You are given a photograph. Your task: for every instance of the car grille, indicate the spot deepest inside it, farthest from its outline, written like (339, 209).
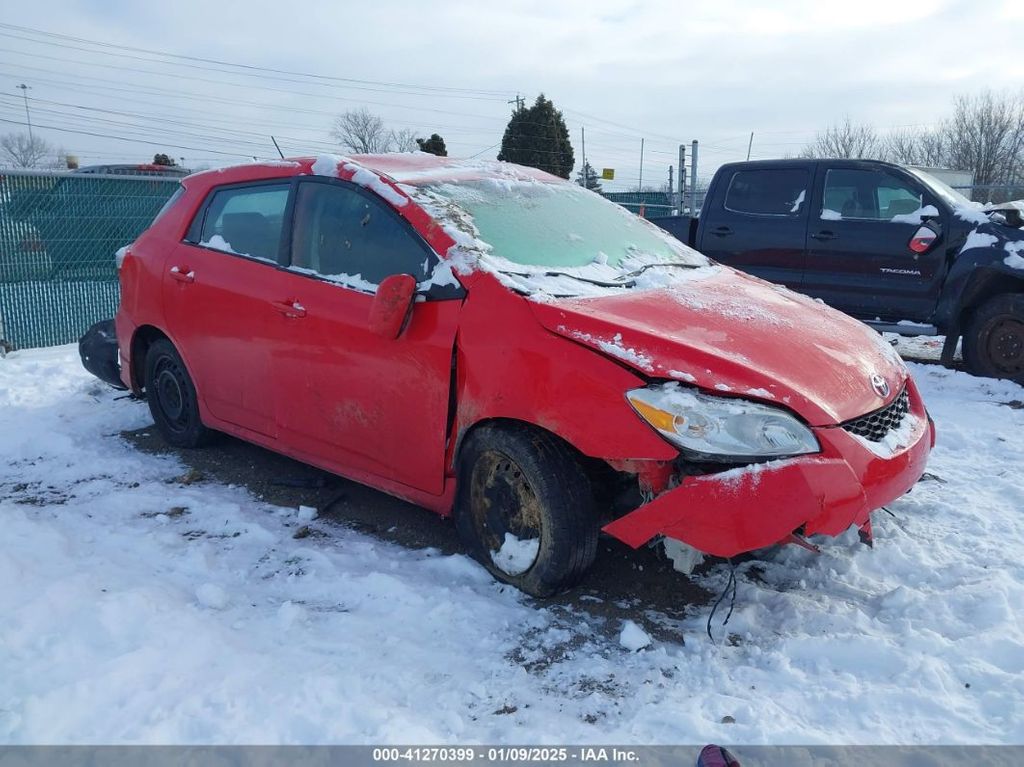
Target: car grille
(874, 426)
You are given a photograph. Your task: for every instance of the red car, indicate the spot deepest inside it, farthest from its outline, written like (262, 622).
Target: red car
(500, 345)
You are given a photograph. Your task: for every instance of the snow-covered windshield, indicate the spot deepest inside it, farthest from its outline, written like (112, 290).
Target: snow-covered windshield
(559, 227)
(942, 190)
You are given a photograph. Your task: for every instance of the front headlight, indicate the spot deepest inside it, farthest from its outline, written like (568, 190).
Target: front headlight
(720, 428)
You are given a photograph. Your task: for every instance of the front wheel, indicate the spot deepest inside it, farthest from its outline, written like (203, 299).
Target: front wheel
(525, 508)
(172, 397)
(994, 341)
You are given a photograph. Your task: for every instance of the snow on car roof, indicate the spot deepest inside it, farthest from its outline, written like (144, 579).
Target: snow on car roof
(420, 168)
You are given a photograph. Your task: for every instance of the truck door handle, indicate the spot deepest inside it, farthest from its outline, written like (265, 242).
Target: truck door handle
(722, 231)
(289, 308)
(182, 275)
(824, 236)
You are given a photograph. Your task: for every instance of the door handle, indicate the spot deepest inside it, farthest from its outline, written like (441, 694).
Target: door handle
(722, 231)
(182, 275)
(289, 308)
(824, 236)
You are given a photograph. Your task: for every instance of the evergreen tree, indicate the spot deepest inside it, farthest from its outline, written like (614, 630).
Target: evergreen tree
(588, 177)
(537, 136)
(164, 159)
(433, 145)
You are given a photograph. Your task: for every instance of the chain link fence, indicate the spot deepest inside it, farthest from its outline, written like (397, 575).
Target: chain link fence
(986, 193)
(58, 236)
(655, 204)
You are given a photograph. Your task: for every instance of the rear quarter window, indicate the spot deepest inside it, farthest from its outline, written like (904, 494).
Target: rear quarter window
(768, 191)
(171, 202)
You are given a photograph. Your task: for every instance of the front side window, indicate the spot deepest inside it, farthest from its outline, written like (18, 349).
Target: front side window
(768, 191)
(868, 194)
(246, 220)
(347, 236)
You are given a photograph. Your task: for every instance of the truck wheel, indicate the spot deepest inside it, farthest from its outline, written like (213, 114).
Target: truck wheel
(525, 508)
(172, 397)
(994, 341)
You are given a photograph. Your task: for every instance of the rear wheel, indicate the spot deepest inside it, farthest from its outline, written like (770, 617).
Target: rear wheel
(525, 508)
(172, 397)
(994, 341)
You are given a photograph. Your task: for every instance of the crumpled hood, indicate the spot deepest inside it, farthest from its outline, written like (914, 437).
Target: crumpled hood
(1012, 211)
(731, 333)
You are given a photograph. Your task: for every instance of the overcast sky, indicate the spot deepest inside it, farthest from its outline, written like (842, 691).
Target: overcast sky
(666, 71)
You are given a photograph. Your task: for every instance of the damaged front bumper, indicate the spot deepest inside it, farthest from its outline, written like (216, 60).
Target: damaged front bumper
(98, 350)
(748, 508)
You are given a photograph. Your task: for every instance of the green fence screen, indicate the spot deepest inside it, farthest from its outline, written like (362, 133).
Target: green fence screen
(58, 236)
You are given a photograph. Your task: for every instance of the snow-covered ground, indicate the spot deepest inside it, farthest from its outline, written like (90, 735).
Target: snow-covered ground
(134, 608)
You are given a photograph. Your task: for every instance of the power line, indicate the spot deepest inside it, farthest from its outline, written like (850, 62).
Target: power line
(286, 91)
(241, 66)
(134, 140)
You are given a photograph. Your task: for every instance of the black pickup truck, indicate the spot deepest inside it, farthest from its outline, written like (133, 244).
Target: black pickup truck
(893, 246)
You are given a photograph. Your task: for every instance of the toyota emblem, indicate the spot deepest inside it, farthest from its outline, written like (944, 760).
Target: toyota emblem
(880, 385)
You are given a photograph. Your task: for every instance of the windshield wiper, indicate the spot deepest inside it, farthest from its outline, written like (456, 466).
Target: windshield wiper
(623, 282)
(602, 283)
(645, 267)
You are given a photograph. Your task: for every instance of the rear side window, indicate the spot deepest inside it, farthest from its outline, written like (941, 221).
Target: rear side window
(350, 237)
(246, 220)
(768, 191)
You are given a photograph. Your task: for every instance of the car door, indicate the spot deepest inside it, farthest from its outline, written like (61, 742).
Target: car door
(363, 404)
(218, 290)
(759, 224)
(859, 255)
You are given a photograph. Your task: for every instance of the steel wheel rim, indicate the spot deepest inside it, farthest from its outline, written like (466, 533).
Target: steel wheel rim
(171, 392)
(503, 501)
(1005, 345)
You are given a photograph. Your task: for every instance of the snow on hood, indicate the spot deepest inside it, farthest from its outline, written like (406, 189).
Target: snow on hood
(736, 334)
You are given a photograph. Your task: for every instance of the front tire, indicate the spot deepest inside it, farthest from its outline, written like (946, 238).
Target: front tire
(994, 341)
(525, 508)
(172, 397)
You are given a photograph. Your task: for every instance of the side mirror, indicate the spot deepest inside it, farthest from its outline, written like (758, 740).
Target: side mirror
(392, 304)
(925, 237)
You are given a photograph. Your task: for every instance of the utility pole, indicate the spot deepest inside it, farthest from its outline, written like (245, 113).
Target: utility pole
(640, 183)
(682, 178)
(583, 148)
(750, 145)
(671, 186)
(518, 101)
(24, 92)
(693, 179)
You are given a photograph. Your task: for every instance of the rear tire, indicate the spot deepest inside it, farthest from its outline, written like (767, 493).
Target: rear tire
(513, 480)
(172, 397)
(994, 340)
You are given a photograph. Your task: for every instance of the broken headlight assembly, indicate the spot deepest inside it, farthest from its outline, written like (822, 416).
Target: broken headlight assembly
(721, 428)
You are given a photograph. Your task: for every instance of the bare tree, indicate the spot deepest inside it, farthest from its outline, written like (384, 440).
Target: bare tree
(363, 132)
(845, 140)
(915, 147)
(985, 135)
(19, 150)
(402, 141)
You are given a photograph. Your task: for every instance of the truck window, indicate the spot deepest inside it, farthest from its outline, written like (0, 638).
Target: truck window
(768, 191)
(868, 194)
